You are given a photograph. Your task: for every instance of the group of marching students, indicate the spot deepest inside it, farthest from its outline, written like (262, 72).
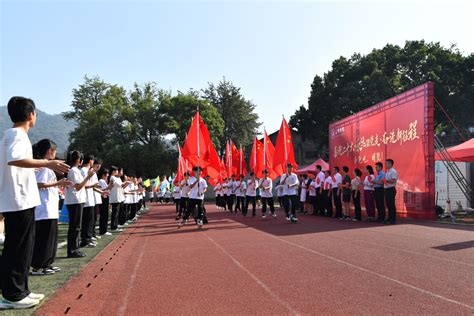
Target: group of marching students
(30, 203)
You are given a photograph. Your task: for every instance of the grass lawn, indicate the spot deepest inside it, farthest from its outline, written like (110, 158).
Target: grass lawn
(49, 284)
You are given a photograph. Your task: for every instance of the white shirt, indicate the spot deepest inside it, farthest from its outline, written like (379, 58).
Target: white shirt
(185, 188)
(319, 180)
(128, 195)
(116, 193)
(328, 185)
(74, 196)
(49, 207)
(18, 188)
(232, 187)
(238, 188)
(312, 188)
(290, 184)
(97, 196)
(227, 188)
(176, 193)
(280, 190)
(367, 184)
(197, 190)
(90, 199)
(103, 185)
(218, 189)
(267, 185)
(252, 187)
(338, 181)
(391, 174)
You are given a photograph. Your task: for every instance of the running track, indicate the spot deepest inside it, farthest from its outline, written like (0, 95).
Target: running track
(240, 265)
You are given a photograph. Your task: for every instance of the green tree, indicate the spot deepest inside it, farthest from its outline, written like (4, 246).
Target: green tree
(240, 120)
(361, 81)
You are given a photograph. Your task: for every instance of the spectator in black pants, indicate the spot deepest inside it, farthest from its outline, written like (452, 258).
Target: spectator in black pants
(379, 192)
(104, 207)
(336, 191)
(355, 187)
(327, 193)
(391, 177)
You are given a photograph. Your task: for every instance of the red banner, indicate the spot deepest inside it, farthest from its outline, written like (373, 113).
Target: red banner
(400, 128)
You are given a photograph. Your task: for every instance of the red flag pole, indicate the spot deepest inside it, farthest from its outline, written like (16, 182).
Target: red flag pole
(198, 133)
(240, 158)
(284, 137)
(264, 148)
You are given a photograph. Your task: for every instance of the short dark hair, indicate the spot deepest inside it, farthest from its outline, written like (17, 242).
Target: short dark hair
(73, 156)
(98, 161)
(357, 172)
(112, 169)
(336, 168)
(102, 172)
(289, 165)
(370, 169)
(19, 108)
(41, 147)
(345, 168)
(87, 158)
(390, 160)
(233, 176)
(319, 167)
(379, 164)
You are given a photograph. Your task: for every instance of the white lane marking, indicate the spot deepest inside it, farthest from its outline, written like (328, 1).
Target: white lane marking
(373, 273)
(131, 281)
(253, 276)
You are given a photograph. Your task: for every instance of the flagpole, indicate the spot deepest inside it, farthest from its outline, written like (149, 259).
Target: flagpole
(264, 148)
(240, 160)
(284, 137)
(197, 119)
(255, 154)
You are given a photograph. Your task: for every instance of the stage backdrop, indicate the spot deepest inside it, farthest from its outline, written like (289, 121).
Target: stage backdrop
(400, 128)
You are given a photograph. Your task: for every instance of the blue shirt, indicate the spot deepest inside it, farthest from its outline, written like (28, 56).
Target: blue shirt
(380, 176)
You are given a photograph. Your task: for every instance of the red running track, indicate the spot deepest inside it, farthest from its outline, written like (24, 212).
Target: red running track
(244, 265)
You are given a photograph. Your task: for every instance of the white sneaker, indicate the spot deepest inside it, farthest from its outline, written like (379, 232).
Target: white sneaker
(264, 216)
(107, 234)
(2, 239)
(42, 272)
(274, 215)
(181, 224)
(98, 237)
(199, 222)
(94, 239)
(294, 219)
(35, 296)
(22, 304)
(288, 218)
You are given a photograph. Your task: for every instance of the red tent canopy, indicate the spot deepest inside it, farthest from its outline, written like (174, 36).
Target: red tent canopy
(463, 152)
(312, 167)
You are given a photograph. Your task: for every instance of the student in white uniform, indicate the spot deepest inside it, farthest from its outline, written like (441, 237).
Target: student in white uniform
(104, 207)
(280, 192)
(198, 187)
(267, 196)
(231, 197)
(303, 191)
(184, 185)
(327, 193)
(239, 194)
(46, 214)
(290, 199)
(250, 195)
(19, 196)
(97, 196)
(337, 191)
(218, 194)
(117, 196)
(75, 199)
(319, 186)
(177, 197)
(89, 205)
(390, 184)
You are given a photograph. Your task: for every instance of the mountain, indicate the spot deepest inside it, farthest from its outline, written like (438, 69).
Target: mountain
(54, 127)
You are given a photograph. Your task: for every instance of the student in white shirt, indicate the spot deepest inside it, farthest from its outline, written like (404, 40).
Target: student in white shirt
(117, 196)
(239, 187)
(218, 194)
(303, 191)
(198, 187)
(327, 192)
(89, 205)
(280, 192)
(97, 195)
(231, 198)
(319, 184)
(337, 191)
(46, 214)
(250, 195)
(19, 196)
(184, 185)
(390, 183)
(104, 207)
(267, 196)
(369, 193)
(75, 199)
(290, 199)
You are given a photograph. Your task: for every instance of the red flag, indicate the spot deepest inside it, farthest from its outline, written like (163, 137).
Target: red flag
(268, 153)
(232, 161)
(283, 150)
(242, 162)
(196, 146)
(256, 158)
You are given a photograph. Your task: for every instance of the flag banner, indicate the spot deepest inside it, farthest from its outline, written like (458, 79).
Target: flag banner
(284, 152)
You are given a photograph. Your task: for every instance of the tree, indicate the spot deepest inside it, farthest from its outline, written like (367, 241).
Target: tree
(240, 120)
(361, 81)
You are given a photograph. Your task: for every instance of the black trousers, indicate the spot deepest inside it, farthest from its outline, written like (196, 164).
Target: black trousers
(337, 202)
(183, 206)
(17, 253)
(87, 225)
(230, 202)
(240, 203)
(133, 210)
(46, 243)
(253, 200)
(390, 194)
(115, 215)
(123, 213)
(380, 203)
(96, 213)
(280, 201)
(356, 201)
(74, 229)
(319, 204)
(270, 203)
(327, 202)
(104, 215)
(224, 201)
(193, 204)
(290, 202)
(178, 205)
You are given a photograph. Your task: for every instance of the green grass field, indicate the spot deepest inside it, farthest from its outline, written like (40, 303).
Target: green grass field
(49, 284)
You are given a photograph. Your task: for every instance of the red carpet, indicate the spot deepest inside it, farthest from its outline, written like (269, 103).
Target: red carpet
(244, 265)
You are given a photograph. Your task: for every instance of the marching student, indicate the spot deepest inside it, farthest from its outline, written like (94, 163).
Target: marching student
(218, 194)
(231, 198)
(177, 198)
(104, 207)
(327, 192)
(390, 183)
(19, 196)
(251, 194)
(369, 193)
(336, 191)
(355, 187)
(75, 200)
(319, 190)
(279, 188)
(226, 191)
(117, 196)
(198, 187)
(89, 205)
(46, 214)
(290, 198)
(303, 191)
(267, 196)
(184, 185)
(379, 192)
(240, 193)
(346, 193)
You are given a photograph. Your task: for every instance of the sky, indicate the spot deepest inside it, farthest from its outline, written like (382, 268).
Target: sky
(271, 49)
